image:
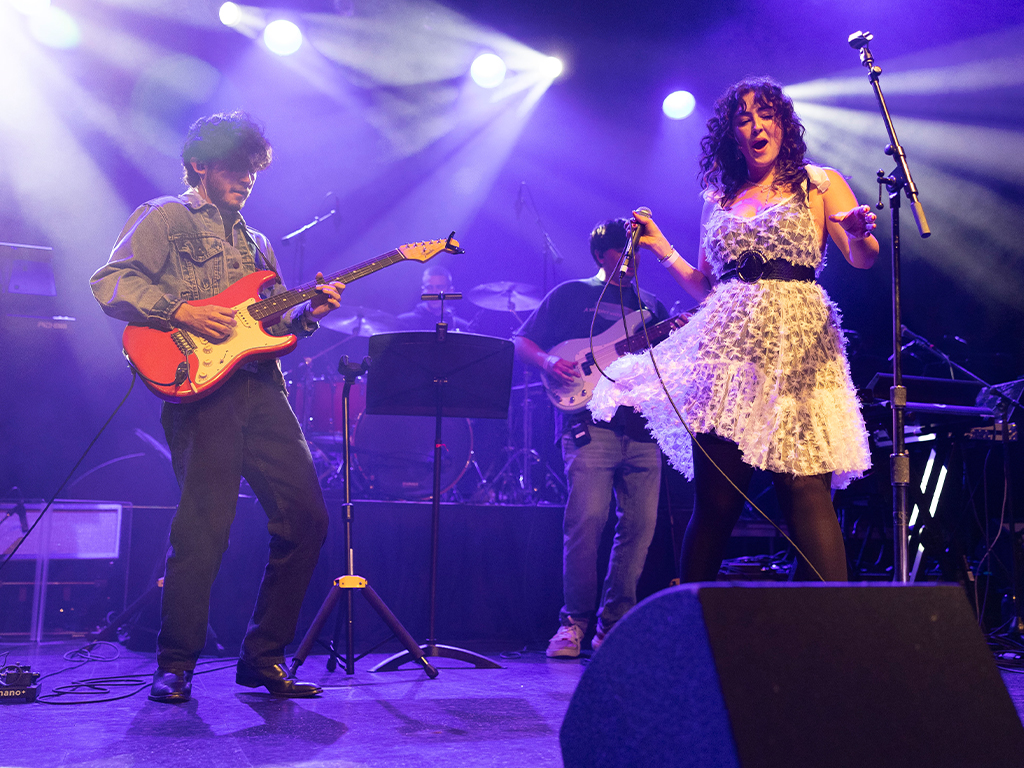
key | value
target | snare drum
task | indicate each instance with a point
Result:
(318, 405)
(395, 454)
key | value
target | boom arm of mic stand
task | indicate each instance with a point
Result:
(902, 173)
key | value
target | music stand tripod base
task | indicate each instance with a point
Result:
(434, 650)
(413, 652)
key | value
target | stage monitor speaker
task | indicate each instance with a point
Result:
(802, 676)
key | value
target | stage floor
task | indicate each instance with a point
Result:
(465, 717)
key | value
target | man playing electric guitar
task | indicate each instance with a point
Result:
(175, 251)
(601, 459)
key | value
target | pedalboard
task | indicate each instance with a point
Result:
(18, 684)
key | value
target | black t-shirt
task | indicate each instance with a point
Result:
(567, 313)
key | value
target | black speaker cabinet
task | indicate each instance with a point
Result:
(802, 676)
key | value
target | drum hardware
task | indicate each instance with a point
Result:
(350, 582)
(505, 296)
(394, 454)
(359, 321)
(518, 481)
(458, 375)
(384, 468)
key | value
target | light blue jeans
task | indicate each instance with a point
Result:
(610, 463)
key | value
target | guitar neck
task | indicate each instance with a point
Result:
(640, 341)
(282, 302)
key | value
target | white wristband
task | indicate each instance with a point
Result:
(669, 260)
(549, 362)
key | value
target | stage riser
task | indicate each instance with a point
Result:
(499, 571)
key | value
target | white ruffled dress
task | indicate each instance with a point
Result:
(762, 364)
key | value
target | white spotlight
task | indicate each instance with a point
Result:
(678, 105)
(55, 28)
(282, 37)
(553, 67)
(488, 70)
(230, 14)
(30, 7)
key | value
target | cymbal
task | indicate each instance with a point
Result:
(359, 321)
(505, 296)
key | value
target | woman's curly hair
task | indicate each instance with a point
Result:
(722, 167)
(233, 138)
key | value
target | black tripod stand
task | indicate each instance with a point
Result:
(439, 374)
(350, 582)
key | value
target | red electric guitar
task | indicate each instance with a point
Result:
(180, 367)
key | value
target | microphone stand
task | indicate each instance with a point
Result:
(551, 251)
(899, 180)
(300, 233)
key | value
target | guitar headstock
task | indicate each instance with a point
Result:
(428, 249)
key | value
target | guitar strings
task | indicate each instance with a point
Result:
(645, 314)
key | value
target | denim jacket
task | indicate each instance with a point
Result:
(173, 250)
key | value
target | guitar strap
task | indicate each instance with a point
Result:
(259, 257)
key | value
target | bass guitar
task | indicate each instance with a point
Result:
(180, 366)
(589, 359)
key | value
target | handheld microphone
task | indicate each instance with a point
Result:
(520, 202)
(629, 251)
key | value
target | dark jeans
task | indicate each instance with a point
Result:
(244, 429)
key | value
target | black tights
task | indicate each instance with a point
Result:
(806, 503)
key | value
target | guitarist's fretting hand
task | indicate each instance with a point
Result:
(329, 298)
(210, 322)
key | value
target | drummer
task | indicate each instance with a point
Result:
(427, 314)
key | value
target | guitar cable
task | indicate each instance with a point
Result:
(679, 415)
(78, 463)
(181, 373)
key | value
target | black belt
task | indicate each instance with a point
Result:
(753, 266)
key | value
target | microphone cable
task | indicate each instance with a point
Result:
(686, 426)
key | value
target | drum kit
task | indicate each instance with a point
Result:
(483, 461)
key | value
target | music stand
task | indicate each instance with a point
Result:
(350, 582)
(436, 373)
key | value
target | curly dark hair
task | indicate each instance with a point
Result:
(608, 234)
(233, 138)
(722, 167)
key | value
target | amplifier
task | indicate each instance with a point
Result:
(77, 551)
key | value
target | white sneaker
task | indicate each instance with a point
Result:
(599, 636)
(566, 642)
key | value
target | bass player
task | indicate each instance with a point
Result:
(603, 460)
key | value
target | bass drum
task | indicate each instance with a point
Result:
(318, 404)
(395, 454)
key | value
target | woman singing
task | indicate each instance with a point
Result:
(760, 371)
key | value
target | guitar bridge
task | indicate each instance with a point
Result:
(183, 342)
